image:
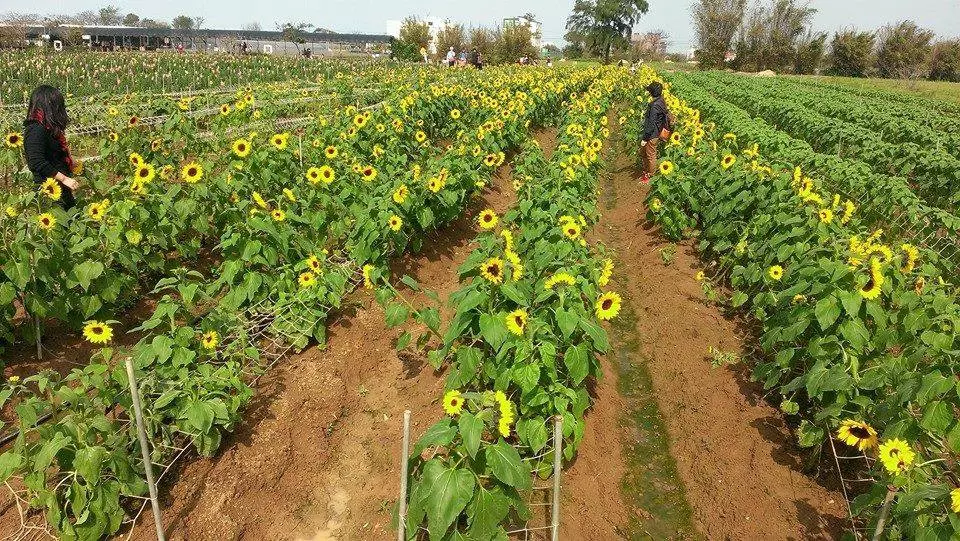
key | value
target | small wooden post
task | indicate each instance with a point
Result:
(557, 466)
(404, 471)
(36, 323)
(144, 450)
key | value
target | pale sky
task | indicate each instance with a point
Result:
(370, 16)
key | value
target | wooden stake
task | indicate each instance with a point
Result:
(404, 462)
(557, 466)
(144, 450)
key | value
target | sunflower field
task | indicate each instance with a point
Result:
(856, 323)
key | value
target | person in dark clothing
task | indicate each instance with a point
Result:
(475, 59)
(656, 119)
(45, 145)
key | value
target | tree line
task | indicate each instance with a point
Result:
(499, 45)
(779, 36)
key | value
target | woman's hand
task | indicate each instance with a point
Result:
(68, 182)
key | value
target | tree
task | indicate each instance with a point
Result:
(110, 16)
(850, 53)
(650, 46)
(131, 19)
(945, 61)
(294, 33)
(605, 24)
(182, 22)
(198, 22)
(452, 35)
(482, 39)
(414, 36)
(150, 23)
(573, 51)
(512, 42)
(252, 27)
(770, 37)
(715, 23)
(810, 52)
(903, 50)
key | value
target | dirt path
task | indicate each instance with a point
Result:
(735, 456)
(319, 459)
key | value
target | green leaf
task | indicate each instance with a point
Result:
(396, 314)
(827, 311)
(449, 490)
(88, 462)
(441, 433)
(410, 282)
(596, 332)
(851, 302)
(527, 376)
(404, 340)
(810, 435)
(512, 292)
(505, 462)
(487, 510)
(471, 430)
(200, 415)
(10, 462)
(567, 321)
(493, 330)
(937, 416)
(575, 359)
(45, 455)
(738, 299)
(166, 398)
(855, 333)
(86, 272)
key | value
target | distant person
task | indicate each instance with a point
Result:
(423, 53)
(45, 144)
(451, 57)
(656, 125)
(476, 59)
(462, 59)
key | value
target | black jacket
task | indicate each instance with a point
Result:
(655, 119)
(46, 157)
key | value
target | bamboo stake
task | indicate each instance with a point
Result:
(404, 464)
(557, 465)
(144, 451)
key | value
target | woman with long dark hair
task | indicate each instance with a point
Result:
(45, 144)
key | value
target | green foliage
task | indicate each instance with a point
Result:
(902, 51)
(605, 25)
(851, 53)
(945, 61)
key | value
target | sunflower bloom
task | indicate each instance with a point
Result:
(97, 332)
(368, 276)
(896, 455)
(209, 340)
(191, 173)
(666, 168)
(608, 306)
(307, 279)
(857, 434)
(241, 148)
(517, 321)
(51, 188)
(955, 500)
(453, 402)
(488, 219)
(46, 221)
(492, 270)
(13, 140)
(395, 223)
(96, 211)
(400, 194)
(728, 161)
(278, 215)
(775, 273)
(872, 289)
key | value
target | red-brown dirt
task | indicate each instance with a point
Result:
(320, 457)
(735, 455)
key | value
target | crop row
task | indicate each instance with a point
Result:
(525, 338)
(884, 200)
(856, 327)
(298, 226)
(933, 173)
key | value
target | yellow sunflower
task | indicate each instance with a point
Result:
(241, 148)
(955, 500)
(608, 306)
(558, 279)
(307, 279)
(369, 173)
(666, 168)
(368, 276)
(492, 270)
(488, 219)
(896, 455)
(97, 332)
(191, 173)
(313, 175)
(453, 402)
(225, 109)
(775, 273)
(279, 141)
(145, 173)
(278, 215)
(395, 223)
(874, 286)
(571, 230)
(51, 188)
(135, 159)
(13, 140)
(516, 321)
(400, 194)
(209, 340)
(331, 152)
(857, 434)
(728, 161)
(826, 215)
(96, 211)
(46, 221)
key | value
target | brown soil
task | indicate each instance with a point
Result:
(735, 455)
(319, 458)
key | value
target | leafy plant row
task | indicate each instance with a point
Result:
(916, 125)
(525, 338)
(933, 173)
(886, 201)
(288, 237)
(857, 328)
